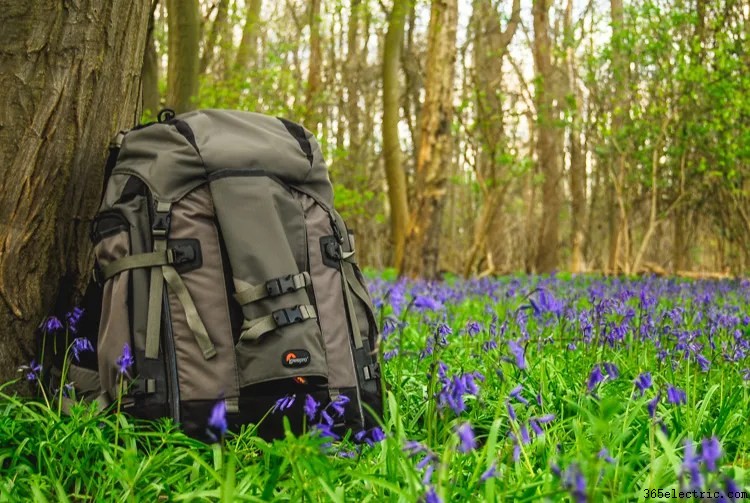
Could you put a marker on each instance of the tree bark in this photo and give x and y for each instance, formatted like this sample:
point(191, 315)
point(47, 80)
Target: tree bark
point(216, 34)
point(548, 158)
point(394, 171)
point(183, 21)
point(423, 240)
point(314, 81)
point(247, 52)
point(490, 45)
point(70, 78)
point(150, 75)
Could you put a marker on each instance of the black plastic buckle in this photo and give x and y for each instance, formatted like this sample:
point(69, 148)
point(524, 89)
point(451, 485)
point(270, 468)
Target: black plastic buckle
point(182, 254)
point(287, 316)
point(371, 371)
point(281, 285)
point(162, 221)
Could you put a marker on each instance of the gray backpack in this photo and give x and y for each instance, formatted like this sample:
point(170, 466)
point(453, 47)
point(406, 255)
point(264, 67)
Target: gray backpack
point(228, 275)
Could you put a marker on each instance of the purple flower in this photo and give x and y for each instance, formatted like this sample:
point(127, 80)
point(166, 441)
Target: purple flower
point(431, 496)
point(217, 421)
point(489, 473)
point(80, 345)
point(595, 377)
point(377, 435)
point(466, 436)
point(691, 466)
point(516, 393)
point(653, 403)
point(32, 370)
point(390, 355)
point(612, 371)
point(126, 360)
point(746, 374)
point(370, 437)
point(427, 477)
point(703, 362)
point(710, 452)
point(518, 353)
point(676, 395)
point(73, 318)
point(284, 403)
point(511, 411)
point(604, 454)
point(473, 328)
point(575, 483)
point(525, 434)
point(311, 407)
point(52, 324)
point(427, 304)
point(339, 404)
point(535, 427)
point(643, 382)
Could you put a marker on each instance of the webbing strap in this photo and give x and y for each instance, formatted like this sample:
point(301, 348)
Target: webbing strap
point(359, 291)
point(352, 314)
point(134, 262)
point(253, 329)
point(155, 294)
point(194, 321)
point(273, 288)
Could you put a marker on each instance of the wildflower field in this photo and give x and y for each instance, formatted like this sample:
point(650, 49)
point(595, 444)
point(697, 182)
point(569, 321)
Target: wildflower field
point(510, 389)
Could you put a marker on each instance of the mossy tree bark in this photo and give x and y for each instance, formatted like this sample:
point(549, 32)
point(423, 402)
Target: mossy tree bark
point(70, 78)
point(394, 171)
point(422, 253)
point(183, 22)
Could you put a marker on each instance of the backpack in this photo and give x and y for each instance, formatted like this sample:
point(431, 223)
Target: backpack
point(223, 272)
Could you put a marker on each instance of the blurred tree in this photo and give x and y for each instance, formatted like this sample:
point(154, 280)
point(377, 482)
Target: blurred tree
point(70, 78)
point(150, 73)
point(422, 254)
point(394, 171)
point(183, 21)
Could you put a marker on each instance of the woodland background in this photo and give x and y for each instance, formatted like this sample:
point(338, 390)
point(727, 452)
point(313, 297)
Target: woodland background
point(471, 137)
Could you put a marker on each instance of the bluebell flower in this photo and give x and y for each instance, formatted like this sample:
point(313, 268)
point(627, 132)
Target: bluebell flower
point(423, 303)
point(518, 353)
point(703, 362)
point(427, 477)
point(604, 454)
point(746, 374)
point(691, 466)
point(390, 355)
point(52, 324)
point(511, 411)
point(489, 473)
point(33, 370)
point(311, 407)
point(73, 318)
point(595, 377)
point(676, 396)
point(524, 434)
point(80, 345)
point(473, 328)
point(125, 361)
point(431, 496)
point(653, 403)
point(710, 452)
point(575, 483)
point(217, 421)
point(612, 371)
point(466, 436)
point(283, 403)
point(516, 393)
point(643, 382)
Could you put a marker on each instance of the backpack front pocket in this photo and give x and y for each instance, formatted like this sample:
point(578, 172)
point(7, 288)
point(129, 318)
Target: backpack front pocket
point(264, 233)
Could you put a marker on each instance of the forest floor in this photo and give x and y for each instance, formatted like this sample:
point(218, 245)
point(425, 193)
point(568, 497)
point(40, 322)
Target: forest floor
point(510, 389)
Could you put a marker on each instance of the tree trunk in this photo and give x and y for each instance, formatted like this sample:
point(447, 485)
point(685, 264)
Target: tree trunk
point(247, 52)
point(183, 21)
point(70, 78)
point(314, 82)
point(394, 171)
point(216, 34)
point(150, 75)
point(423, 240)
point(547, 153)
point(490, 45)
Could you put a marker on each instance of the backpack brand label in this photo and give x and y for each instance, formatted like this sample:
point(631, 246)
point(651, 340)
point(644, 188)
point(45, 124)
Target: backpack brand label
point(295, 358)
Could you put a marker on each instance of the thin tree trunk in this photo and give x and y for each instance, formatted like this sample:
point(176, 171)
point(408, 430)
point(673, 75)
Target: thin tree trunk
point(394, 171)
point(314, 81)
point(70, 78)
point(150, 75)
point(183, 20)
point(423, 239)
point(247, 52)
point(216, 34)
point(547, 153)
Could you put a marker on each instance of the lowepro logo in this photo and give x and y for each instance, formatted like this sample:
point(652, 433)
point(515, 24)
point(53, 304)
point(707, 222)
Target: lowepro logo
point(295, 358)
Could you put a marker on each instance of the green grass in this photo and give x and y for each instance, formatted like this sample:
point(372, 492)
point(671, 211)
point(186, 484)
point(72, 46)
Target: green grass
point(47, 457)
